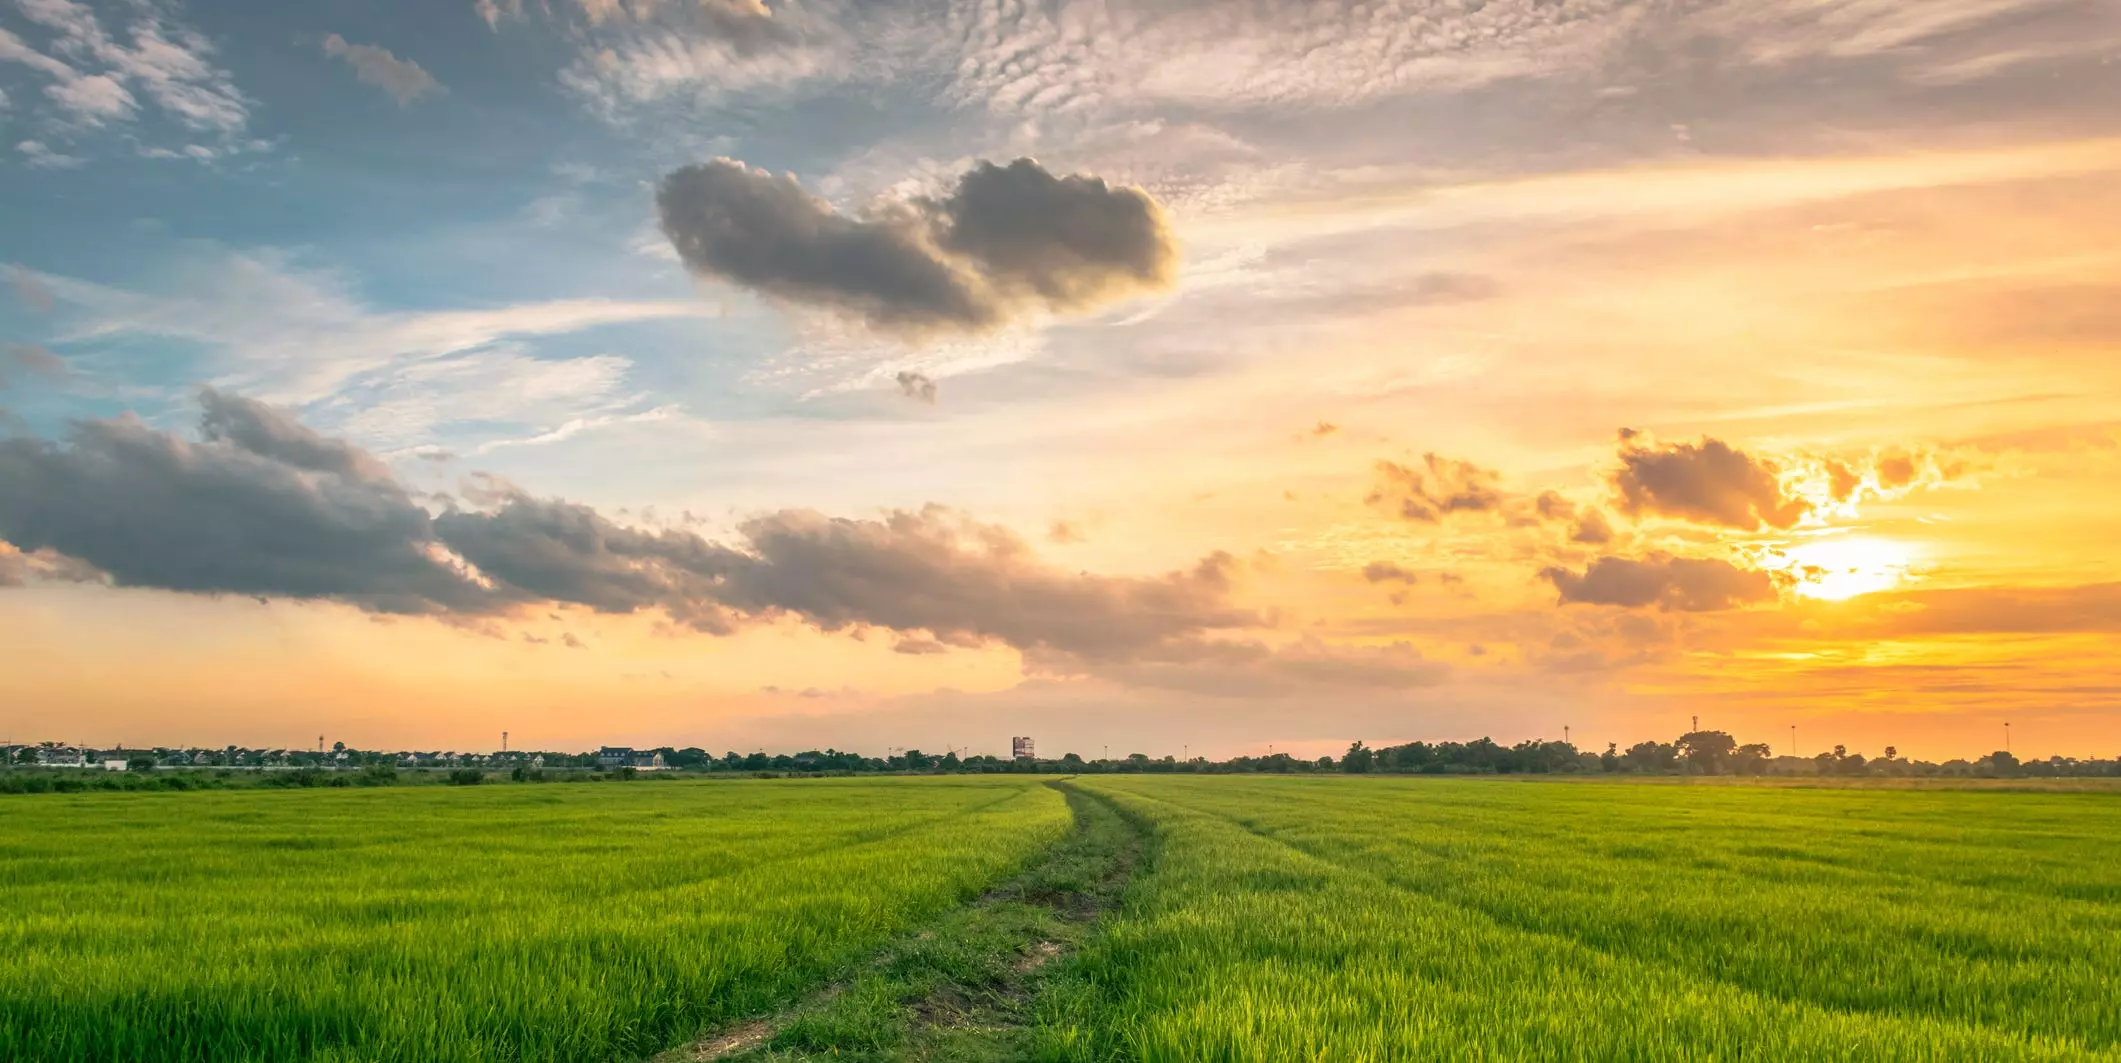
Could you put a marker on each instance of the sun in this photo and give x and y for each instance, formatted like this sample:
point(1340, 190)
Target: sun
point(1837, 569)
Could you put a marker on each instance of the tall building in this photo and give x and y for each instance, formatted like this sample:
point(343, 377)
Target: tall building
point(1020, 748)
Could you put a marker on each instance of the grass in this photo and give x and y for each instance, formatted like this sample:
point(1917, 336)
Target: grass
point(956, 919)
point(1361, 919)
point(962, 990)
point(485, 923)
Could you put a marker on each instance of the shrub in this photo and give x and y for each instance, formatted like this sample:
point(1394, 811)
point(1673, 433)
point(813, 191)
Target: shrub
point(466, 777)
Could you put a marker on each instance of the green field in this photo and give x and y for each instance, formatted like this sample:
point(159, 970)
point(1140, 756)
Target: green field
point(481, 923)
point(1224, 918)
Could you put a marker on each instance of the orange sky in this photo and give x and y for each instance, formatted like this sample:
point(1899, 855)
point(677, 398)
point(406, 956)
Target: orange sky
point(1866, 347)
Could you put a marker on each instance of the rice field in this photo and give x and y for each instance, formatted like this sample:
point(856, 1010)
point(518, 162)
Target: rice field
point(484, 923)
point(1229, 919)
point(1389, 919)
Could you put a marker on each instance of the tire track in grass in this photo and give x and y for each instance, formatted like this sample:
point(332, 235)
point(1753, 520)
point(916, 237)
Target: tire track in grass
point(2054, 1041)
point(959, 988)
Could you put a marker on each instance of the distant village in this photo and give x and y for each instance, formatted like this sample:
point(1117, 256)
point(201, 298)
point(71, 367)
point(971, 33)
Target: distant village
point(1699, 752)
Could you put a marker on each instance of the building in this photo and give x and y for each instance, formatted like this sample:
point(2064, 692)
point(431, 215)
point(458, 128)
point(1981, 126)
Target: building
point(113, 765)
point(615, 757)
point(648, 762)
point(1020, 747)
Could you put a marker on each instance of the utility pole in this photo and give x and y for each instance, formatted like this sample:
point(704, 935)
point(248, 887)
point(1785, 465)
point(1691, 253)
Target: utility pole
point(320, 745)
point(1565, 735)
point(1793, 740)
point(2006, 736)
point(1697, 723)
point(504, 741)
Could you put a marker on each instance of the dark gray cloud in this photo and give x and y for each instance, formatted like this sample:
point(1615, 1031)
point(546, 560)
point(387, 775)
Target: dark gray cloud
point(1065, 243)
point(548, 549)
point(403, 79)
point(940, 572)
point(1682, 584)
point(1007, 240)
point(917, 386)
point(261, 505)
point(1435, 489)
point(154, 510)
point(1707, 483)
point(272, 433)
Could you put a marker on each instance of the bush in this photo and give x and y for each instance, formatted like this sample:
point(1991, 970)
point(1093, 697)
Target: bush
point(377, 775)
point(466, 777)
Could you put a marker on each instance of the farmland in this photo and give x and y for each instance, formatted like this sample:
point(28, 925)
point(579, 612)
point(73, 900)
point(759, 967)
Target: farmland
point(1227, 918)
point(1418, 919)
point(532, 922)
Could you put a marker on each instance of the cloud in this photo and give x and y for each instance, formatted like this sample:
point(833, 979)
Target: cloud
point(18, 569)
point(1007, 242)
point(261, 505)
point(32, 359)
point(154, 510)
point(1591, 528)
point(1385, 572)
point(102, 79)
point(41, 156)
point(916, 386)
point(1681, 584)
point(1065, 533)
point(1436, 489)
point(34, 295)
point(1706, 483)
point(403, 79)
point(275, 434)
point(919, 647)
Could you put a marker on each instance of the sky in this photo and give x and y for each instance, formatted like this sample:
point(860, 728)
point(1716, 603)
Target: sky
point(1186, 377)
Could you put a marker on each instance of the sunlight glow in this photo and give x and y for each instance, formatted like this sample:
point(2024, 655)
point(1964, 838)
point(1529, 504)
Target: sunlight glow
point(1838, 569)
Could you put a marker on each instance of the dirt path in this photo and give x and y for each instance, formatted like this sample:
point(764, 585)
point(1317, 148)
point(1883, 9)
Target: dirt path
point(961, 987)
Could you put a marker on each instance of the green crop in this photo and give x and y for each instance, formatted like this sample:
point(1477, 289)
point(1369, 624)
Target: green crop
point(1371, 919)
point(488, 923)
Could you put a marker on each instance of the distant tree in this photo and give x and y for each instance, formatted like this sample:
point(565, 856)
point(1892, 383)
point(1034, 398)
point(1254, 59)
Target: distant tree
point(2000, 763)
point(1610, 759)
point(1358, 759)
point(1072, 761)
point(1706, 752)
point(1325, 763)
point(466, 777)
point(1651, 756)
point(1750, 758)
point(140, 762)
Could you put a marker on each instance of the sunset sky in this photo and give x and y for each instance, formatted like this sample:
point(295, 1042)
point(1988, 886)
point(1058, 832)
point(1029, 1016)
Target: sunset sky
point(1152, 375)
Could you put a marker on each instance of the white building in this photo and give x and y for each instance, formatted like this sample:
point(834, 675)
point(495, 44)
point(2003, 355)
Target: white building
point(113, 765)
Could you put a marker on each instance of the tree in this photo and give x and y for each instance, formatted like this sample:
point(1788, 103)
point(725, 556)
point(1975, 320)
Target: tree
point(1610, 761)
point(2000, 763)
point(1651, 756)
point(1750, 758)
point(1706, 751)
point(1358, 760)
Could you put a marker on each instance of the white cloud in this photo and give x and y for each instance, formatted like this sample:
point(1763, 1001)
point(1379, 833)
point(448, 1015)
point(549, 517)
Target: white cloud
point(97, 78)
point(296, 336)
point(93, 99)
point(37, 154)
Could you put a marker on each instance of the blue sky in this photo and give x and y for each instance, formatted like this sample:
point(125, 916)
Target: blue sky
point(1816, 230)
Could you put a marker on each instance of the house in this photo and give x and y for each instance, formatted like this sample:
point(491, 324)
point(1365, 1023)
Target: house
point(62, 758)
point(113, 765)
point(648, 762)
point(538, 761)
point(614, 757)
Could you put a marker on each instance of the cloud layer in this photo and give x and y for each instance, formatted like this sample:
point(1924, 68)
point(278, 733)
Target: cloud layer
point(1007, 242)
point(262, 505)
point(1681, 584)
